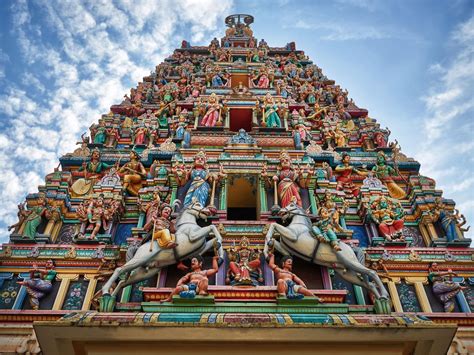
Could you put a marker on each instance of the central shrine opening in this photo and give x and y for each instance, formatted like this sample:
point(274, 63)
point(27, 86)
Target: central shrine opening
point(242, 198)
point(241, 118)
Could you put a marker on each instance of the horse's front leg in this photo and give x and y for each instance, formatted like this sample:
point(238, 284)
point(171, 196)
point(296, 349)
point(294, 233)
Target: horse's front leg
point(268, 237)
point(286, 233)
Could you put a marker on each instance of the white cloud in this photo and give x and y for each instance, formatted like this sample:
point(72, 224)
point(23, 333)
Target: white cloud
point(79, 59)
point(449, 132)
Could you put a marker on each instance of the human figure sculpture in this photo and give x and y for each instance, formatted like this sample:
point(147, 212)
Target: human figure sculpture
point(40, 283)
point(450, 221)
point(98, 215)
point(324, 229)
point(337, 212)
point(288, 284)
point(113, 136)
point(384, 173)
point(99, 133)
point(195, 282)
point(444, 288)
point(34, 217)
point(161, 227)
point(212, 115)
point(286, 178)
point(140, 134)
point(244, 266)
point(89, 173)
point(22, 214)
point(344, 173)
point(270, 115)
point(388, 214)
point(133, 173)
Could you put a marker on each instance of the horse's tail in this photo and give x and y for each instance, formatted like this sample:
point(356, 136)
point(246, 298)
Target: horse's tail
point(176, 204)
point(131, 251)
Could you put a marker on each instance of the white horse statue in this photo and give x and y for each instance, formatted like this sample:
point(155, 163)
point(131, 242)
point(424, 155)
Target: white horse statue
point(142, 263)
point(296, 239)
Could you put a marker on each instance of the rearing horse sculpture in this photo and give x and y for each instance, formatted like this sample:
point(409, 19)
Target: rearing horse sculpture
point(142, 263)
point(296, 239)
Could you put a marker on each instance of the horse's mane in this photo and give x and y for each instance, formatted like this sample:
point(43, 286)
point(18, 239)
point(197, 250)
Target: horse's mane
point(302, 213)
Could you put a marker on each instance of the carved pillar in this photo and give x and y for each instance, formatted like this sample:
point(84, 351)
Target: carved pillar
point(223, 195)
point(20, 298)
point(418, 282)
point(63, 288)
point(392, 289)
point(263, 195)
point(86, 305)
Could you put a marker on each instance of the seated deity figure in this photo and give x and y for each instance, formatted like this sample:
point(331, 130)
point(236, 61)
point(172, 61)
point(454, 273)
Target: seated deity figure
point(388, 214)
point(444, 288)
point(96, 216)
point(133, 173)
point(384, 173)
point(113, 136)
point(288, 284)
point(40, 283)
point(244, 266)
point(195, 282)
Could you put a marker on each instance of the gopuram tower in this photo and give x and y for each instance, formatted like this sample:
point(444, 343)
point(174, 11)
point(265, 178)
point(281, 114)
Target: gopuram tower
point(237, 198)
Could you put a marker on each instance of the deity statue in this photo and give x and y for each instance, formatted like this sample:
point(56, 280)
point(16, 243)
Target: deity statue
point(199, 176)
point(286, 178)
point(162, 114)
point(288, 284)
point(450, 221)
point(90, 173)
point(22, 214)
point(97, 215)
point(325, 228)
point(139, 134)
point(270, 115)
point(113, 136)
point(40, 283)
point(157, 171)
point(344, 172)
point(161, 227)
point(213, 114)
point(444, 288)
point(34, 217)
point(195, 282)
point(99, 133)
point(133, 173)
point(181, 125)
point(244, 266)
point(383, 172)
point(337, 213)
point(388, 214)
point(338, 136)
point(150, 208)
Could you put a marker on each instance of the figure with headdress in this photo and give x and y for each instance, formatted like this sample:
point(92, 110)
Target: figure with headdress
point(270, 115)
point(344, 173)
point(133, 173)
point(34, 217)
point(443, 286)
point(244, 266)
point(39, 283)
point(162, 227)
point(200, 177)
point(388, 214)
point(213, 112)
point(384, 173)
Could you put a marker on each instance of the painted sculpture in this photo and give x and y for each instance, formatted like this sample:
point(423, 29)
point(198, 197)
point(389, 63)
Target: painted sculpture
point(244, 265)
point(388, 214)
point(39, 283)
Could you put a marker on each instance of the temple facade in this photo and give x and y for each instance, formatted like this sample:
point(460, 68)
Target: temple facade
point(237, 198)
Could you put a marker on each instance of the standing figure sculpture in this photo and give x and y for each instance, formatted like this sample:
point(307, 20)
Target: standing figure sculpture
point(444, 287)
point(344, 173)
point(270, 115)
point(199, 176)
point(450, 221)
point(288, 284)
point(195, 282)
point(40, 283)
point(286, 179)
point(383, 172)
point(133, 173)
point(34, 217)
point(213, 112)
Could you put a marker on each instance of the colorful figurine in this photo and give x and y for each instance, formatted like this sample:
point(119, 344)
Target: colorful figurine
point(40, 283)
point(444, 287)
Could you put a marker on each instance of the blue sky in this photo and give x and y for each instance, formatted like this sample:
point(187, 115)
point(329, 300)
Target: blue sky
point(63, 63)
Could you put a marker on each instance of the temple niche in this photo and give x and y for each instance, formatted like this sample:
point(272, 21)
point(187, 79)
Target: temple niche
point(239, 179)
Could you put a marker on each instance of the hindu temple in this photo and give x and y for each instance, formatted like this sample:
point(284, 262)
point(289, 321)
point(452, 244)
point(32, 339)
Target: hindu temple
point(237, 200)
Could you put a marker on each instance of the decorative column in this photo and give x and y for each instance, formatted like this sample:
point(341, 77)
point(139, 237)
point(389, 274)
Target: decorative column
point(392, 289)
point(92, 278)
point(263, 195)
point(223, 194)
point(21, 293)
point(418, 282)
point(63, 288)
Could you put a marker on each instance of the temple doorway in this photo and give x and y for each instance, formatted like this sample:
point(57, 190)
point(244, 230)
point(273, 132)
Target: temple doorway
point(242, 192)
point(241, 118)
